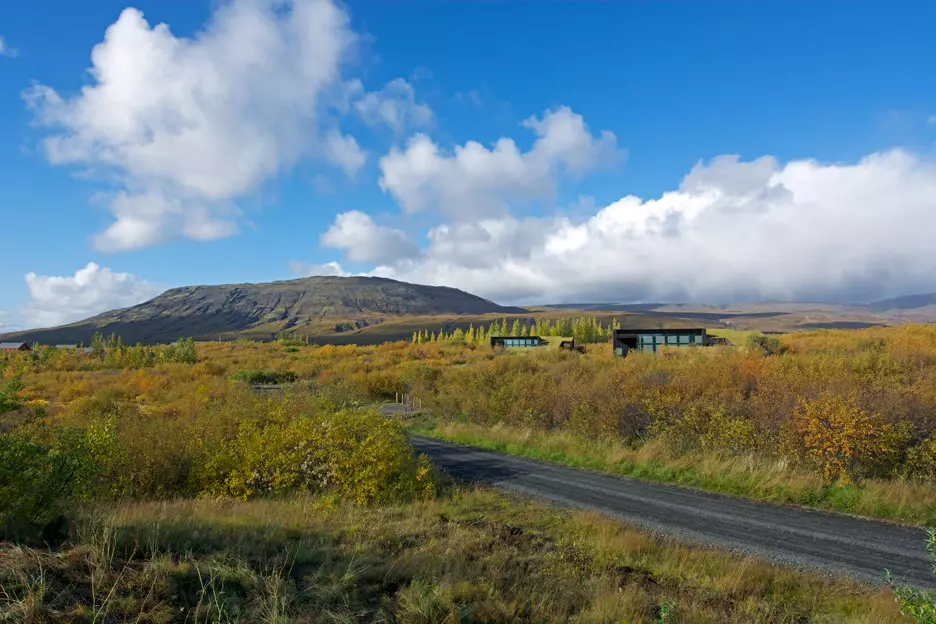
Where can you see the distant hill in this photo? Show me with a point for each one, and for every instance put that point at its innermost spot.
(909, 302)
(309, 306)
(783, 316)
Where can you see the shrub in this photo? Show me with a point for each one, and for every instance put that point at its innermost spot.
(36, 478)
(767, 345)
(261, 377)
(355, 454)
(10, 399)
(838, 438)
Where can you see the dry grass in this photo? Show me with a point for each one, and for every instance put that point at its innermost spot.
(472, 555)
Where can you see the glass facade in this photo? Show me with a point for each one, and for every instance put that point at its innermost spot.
(521, 342)
(650, 342)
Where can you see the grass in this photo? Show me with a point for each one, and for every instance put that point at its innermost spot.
(738, 337)
(470, 555)
(749, 476)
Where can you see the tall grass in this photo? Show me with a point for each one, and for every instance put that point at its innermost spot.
(470, 555)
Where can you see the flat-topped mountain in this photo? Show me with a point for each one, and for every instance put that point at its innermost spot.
(313, 304)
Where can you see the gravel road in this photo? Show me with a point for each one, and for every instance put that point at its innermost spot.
(832, 543)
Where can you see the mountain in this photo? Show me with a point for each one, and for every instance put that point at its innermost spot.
(909, 302)
(315, 306)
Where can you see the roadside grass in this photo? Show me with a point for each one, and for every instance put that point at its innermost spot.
(470, 555)
(748, 476)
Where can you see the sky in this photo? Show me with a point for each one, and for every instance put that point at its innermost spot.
(529, 152)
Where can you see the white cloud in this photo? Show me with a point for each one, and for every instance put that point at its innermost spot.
(306, 269)
(344, 151)
(91, 290)
(476, 181)
(394, 105)
(732, 231)
(191, 124)
(6, 50)
(365, 241)
(931, 120)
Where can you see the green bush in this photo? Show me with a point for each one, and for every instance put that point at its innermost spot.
(260, 377)
(36, 478)
(10, 399)
(768, 345)
(360, 455)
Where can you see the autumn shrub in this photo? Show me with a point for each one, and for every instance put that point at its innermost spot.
(840, 440)
(355, 454)
(707, 429)
(767, 345)
(920, 463)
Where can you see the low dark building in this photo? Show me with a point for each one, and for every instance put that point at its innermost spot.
(516, 342)
(625, 340)
(14, 346)
(523, 342)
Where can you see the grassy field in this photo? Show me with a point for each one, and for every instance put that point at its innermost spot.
(152, 484)
(464, 556)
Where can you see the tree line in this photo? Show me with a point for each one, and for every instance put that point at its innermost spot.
(582, 328)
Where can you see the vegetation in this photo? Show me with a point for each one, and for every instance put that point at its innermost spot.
(170, 491)
(582, 329)
(259, 377)
(464, 556)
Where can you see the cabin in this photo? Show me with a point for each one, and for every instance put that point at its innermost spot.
(625, 340)
(523, 342)
(517, 342)
(14, 346)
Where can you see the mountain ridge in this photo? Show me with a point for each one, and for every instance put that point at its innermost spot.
(269, 309)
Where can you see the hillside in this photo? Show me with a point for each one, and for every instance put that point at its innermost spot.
(316, 306)
(783, 316)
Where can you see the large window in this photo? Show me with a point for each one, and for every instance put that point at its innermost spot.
(521, 342)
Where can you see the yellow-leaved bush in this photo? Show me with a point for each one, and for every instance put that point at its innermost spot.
(355, 454)
(840, 439)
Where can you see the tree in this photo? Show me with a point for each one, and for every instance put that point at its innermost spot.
(97, 345)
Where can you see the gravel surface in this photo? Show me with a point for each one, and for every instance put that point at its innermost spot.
(827, 542)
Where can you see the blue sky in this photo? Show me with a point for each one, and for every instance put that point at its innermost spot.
(707, 151)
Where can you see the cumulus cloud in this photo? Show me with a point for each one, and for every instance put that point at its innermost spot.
(191, 124)
(394, 105)
(731, 231)
(363, 240)
(307, 269)
(478, 182)
(91, 290)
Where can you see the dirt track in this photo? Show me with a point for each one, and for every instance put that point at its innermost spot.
(828, 542)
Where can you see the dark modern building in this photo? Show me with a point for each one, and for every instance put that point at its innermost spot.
(522, 342)
(625, 340)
